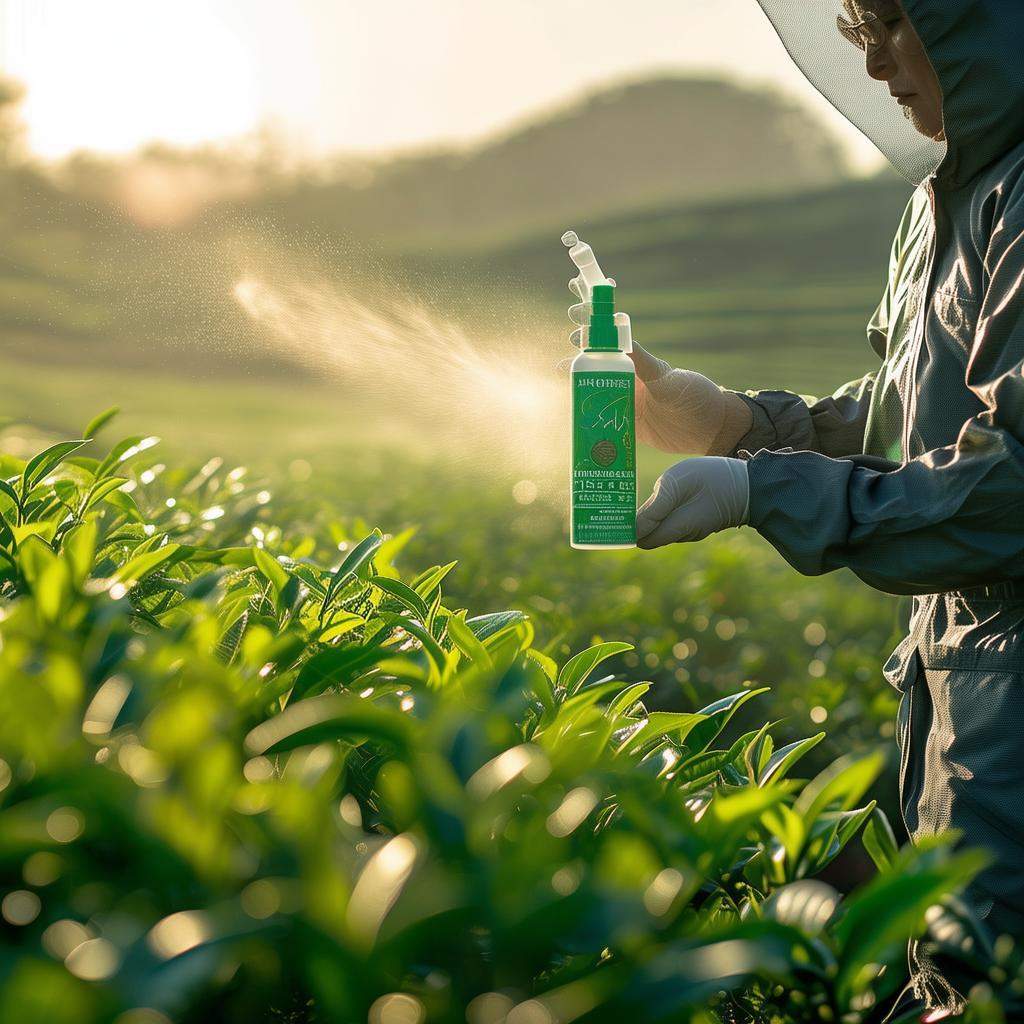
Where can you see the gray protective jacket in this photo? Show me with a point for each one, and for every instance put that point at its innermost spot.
(913, 476)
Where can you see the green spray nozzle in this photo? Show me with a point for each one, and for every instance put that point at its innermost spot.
(603, 335)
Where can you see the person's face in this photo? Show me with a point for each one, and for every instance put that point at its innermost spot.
(894, 54)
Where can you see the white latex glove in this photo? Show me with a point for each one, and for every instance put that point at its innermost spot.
(694, 499)
(677, 411)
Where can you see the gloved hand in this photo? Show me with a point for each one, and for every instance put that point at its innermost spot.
(692, 500)
(677, 411)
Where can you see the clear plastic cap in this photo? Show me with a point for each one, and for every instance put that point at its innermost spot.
(590, 277)
(583, 256)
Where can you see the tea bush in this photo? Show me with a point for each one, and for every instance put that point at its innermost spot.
(701, 618)
(253, 772)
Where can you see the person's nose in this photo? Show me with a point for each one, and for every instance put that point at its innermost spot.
(880, 65)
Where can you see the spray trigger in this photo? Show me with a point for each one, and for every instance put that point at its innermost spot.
(590, 275)
(586, 263)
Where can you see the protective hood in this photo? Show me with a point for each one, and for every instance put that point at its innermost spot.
(976, 48)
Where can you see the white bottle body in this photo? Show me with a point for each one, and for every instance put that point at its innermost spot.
(598, 362)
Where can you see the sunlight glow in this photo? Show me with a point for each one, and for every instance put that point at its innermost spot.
(526, 760)
(379, 886)
(175, 73)
(112, 75)
(178, 933)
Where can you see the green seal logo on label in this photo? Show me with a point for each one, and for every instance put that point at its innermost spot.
(604, 453)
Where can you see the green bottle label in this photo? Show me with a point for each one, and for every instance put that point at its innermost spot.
(603, 458)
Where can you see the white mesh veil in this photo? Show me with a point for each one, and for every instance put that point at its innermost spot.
(836, 69)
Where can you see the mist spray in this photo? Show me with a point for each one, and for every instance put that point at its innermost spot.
(604, 430)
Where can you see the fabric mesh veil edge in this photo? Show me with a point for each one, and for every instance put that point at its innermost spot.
(808, 31)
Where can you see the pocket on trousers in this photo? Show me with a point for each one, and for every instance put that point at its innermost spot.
(901, 666)
(973, 771)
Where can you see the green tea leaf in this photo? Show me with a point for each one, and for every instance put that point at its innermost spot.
(730, 816)
(785, 757)
(340, 624)
(485, 627)
(880, 840)
(788, 828)
(547, 665)
(67, 492)
(662, 724)
(328, 717)
(231, 638)
(123, 451)
(431, 579)
(272, 569)
(46, 461)
(43, 530)
(466, 641)
(701, 766)
(79, 548)
(717, 716)
(572, 707)
(100, 490)
(7, 489)
(539, 683)
(431, 647)
(139, 567)
(97, 423)
(626, 700)
(124, 503)
(408, 597)
(352, 563)
(336, 666)
(391, 547)
(8, 565)
(435, 607)
(48, 575)
(577, 668)
(843, 783)
(836, 830)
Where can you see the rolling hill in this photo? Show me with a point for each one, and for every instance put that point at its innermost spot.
(735, 261)
(635, 145)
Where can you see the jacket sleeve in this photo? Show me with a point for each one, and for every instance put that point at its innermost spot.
(949, 519)
(831, 426)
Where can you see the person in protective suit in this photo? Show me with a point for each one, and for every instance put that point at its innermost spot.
(912, 476)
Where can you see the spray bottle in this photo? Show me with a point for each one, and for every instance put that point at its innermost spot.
(603, 416)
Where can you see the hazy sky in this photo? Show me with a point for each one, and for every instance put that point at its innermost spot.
(341, 74)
